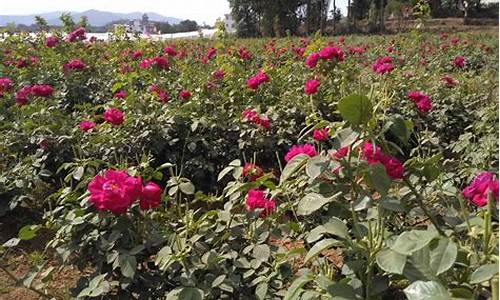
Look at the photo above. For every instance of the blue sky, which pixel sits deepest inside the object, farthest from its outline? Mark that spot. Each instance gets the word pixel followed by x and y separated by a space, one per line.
pixel 200 10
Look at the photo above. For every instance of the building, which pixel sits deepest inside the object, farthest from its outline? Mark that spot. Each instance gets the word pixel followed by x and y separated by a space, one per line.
pixel 229 23
pixel 141 26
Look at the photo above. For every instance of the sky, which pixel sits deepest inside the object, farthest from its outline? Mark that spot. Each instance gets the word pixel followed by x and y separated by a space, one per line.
pixel 199 10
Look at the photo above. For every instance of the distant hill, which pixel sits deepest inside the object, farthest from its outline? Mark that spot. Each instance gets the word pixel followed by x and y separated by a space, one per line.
pixel 95 17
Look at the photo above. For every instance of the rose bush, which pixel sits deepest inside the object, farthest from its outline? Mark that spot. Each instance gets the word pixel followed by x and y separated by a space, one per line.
pixel 293 168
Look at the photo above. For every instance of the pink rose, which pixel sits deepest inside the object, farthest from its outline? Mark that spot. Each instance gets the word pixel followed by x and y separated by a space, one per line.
pixel 42 90
pixel 74 64
pixel 113 116
pixel 86 125
pixel 185 94
pixel 312 60
pixel 477 191
pixel 320 134
pixel 252 171
pixel 295 150
pixel 311 86
pixel 51 41
pixel 422 101
pixel 150 196
pixel 256 199
pixel 114 191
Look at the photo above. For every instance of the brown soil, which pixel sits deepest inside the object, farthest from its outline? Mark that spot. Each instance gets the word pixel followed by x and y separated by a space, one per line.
pixel 19 262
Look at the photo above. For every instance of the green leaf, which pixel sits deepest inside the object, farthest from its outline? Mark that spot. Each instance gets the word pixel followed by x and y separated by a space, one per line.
pixel 261 291
pixel 261 252
pixel 363 202
pixel 392 204
pixel 311 203
pixel 355 109
pixel 402 129
pixel 426 290
pixel 217 281
pixel 190 293
pixel 418 266
pixel 78 173
pixel 316 166
pixel 28 232
pixel 163 258
pixel 295 288
pixel 411 241
pixel 341 291
pixel 336 227
pixel 391 261
pixel 224 172
pixel 293 166
pixel 11 243
pixel 484 273
pixel 443 256
pixel 187 188
pixel 127 264
pixel 378 178
pixel 318 248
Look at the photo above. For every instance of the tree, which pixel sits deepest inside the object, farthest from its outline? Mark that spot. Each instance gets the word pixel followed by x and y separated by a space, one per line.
pixel 67 22
pixel 41 23
pixel 84 22
pixel 245 17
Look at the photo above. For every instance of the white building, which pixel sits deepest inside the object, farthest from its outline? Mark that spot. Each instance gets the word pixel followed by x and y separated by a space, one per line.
pixel 229 23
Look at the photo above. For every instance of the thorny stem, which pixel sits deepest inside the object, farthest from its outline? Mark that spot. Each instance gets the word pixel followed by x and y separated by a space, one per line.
pixel 420 201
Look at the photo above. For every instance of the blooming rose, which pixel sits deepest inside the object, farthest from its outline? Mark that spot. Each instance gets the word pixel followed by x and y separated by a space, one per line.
pixel 422 101
pixel 114 191
pixel 448 81
pixel 113 116
pixel 185 94
pixel 5 85
pixel 311 86
pixel 252 116
pixel 121 94
pixel 244 54
pixel 137 54
pixel 51 41
pixel 74 64
pixel 255 81
pixel 162 95
pixel 320 134
pixel 150 196
pixel 383 65
pixel 312 60
pixel 373 155
pixel 252 171
pixel 159 62
pixel 22 95
pixel 219 74
pixel 341 153
pixel 78 34
pixel 331 52
pixel 86 125
pixel 256 199
pixel 477 191
pixel 170 50
pixel 295 150
pixel 42 90
pixel 459 61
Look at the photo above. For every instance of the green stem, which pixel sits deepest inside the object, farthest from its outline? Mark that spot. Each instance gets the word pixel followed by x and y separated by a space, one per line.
pixel 420 201
pixel 494 288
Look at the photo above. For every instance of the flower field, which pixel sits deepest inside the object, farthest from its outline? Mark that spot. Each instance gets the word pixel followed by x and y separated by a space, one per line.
pixel 357 167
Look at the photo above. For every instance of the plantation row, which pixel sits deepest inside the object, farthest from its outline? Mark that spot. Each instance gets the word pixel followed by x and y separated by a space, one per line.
pixel 321 168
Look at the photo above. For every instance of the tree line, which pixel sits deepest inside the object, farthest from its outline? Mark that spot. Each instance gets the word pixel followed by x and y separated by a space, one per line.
pixel 281 17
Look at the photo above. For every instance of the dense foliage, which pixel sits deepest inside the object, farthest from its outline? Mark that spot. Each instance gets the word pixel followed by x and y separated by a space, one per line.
pixel 321 168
